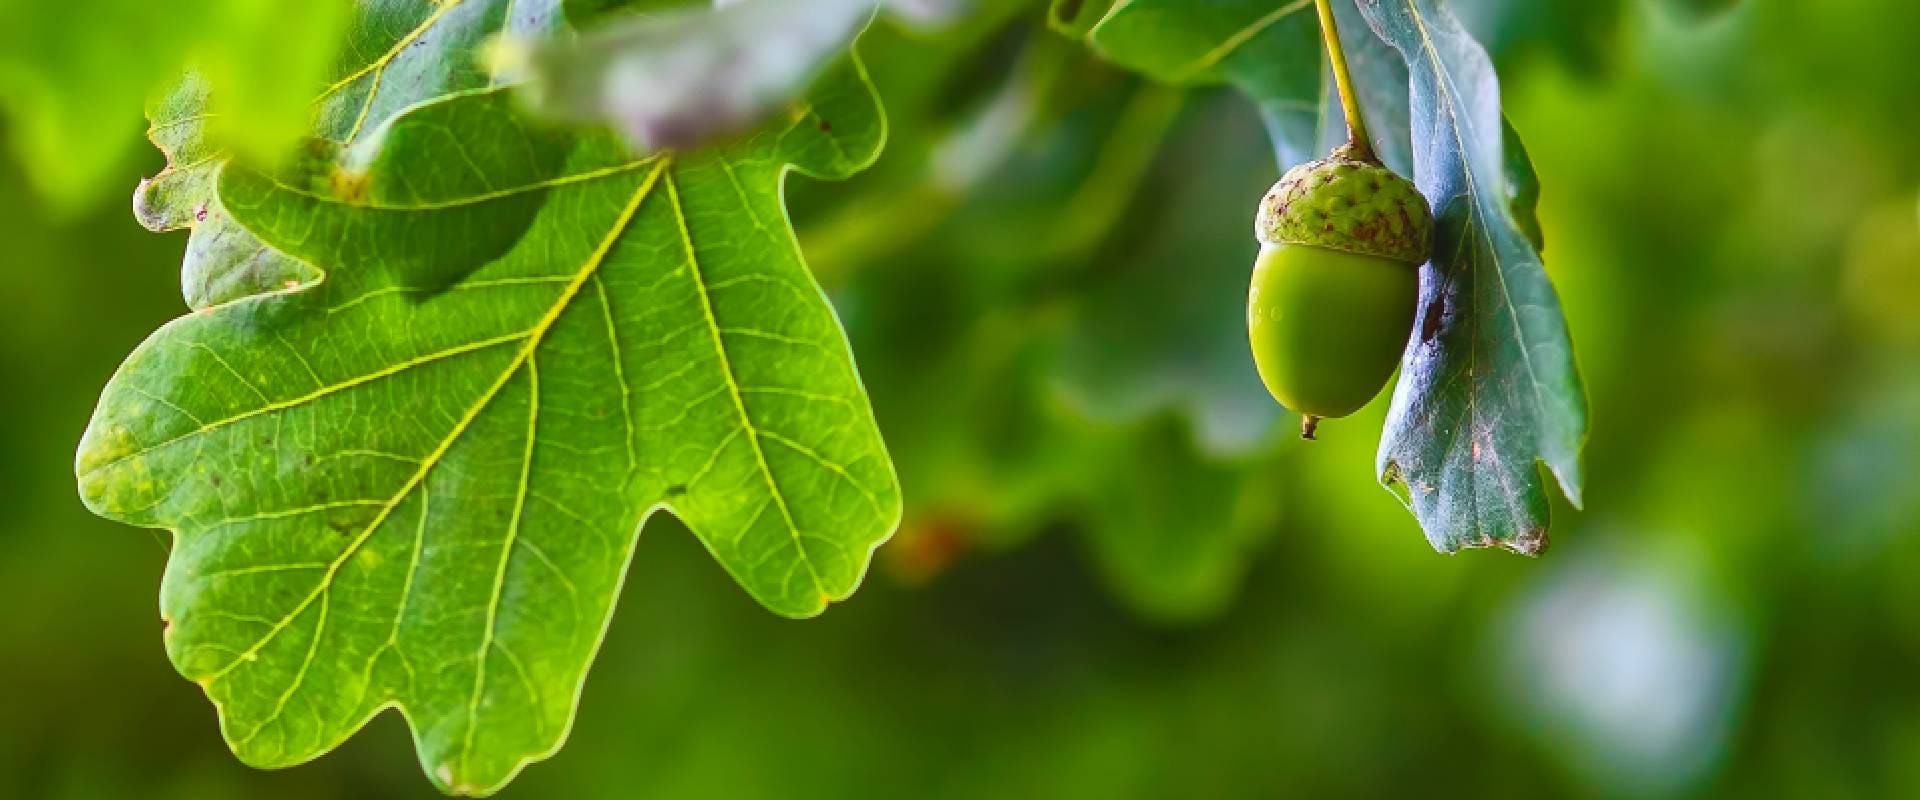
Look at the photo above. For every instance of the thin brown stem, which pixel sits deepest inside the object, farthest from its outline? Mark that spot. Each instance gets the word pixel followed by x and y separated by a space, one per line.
pixel 1360 144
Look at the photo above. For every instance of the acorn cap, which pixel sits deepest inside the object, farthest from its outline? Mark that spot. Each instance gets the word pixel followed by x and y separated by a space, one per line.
pixel 1342 203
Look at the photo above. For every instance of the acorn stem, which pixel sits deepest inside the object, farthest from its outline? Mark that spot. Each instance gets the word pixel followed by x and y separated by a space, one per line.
pixel 1358 141
pixel 1308 424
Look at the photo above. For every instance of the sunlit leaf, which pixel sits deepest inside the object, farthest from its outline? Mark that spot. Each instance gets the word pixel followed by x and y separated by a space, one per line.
pixel 420 486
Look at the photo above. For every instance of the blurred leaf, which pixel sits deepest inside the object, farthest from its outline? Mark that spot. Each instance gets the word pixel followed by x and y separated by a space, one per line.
pixel 1522 186
pixel 1702 9
pixel 1580 34
pixel 400 54
pixel 1172 531
pixel 1488 386
pixel 681 77
pixel 1860 471
pixel 71 78
pixel 1075 17
pixel 989 455
pixel 1159 324
pixel 1272 53
pixel 677 78
pixel 1269 51
pixel 420 487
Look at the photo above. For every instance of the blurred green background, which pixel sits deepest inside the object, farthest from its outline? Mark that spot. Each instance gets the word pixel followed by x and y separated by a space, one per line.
pixel 1119 576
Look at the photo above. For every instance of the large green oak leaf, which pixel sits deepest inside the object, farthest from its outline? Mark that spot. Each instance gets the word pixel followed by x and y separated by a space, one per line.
pixel 1488 387
pixel 419 485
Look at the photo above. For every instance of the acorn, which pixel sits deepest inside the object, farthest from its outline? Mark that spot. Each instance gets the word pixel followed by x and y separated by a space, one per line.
pixel 1336 284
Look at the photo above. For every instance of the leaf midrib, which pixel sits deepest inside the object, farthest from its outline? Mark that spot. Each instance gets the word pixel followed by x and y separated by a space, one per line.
pixel 1478 217
pixel 533 338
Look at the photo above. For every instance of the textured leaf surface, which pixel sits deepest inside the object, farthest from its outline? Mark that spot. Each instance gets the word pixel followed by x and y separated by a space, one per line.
pixel 396 54
pixel 1488 387
pixel 419 486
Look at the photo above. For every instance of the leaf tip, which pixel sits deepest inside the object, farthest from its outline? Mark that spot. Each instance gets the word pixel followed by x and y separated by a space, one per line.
pixel 1569 481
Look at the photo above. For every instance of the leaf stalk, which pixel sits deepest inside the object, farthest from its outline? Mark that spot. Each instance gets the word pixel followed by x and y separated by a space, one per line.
pixel 1359 143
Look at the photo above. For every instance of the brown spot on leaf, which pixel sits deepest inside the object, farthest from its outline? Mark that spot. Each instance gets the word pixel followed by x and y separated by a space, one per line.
pixel 1436 313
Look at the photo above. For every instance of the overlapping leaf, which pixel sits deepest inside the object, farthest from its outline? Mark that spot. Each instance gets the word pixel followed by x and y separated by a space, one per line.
pixel 420 485
pixel 1488 387
pixel 72 77
pixel 396 54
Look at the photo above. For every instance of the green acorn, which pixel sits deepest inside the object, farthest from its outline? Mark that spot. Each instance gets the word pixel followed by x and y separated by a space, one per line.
pixel 1336 284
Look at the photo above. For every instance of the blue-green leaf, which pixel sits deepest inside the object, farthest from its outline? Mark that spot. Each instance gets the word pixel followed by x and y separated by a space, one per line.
pixel 1488 388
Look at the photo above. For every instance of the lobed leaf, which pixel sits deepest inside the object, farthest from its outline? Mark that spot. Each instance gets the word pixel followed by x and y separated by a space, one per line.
pixel 420 486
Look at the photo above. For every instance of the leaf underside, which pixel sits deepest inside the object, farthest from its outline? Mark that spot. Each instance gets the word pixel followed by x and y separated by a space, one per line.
pixel 1488 387
pixel 412 473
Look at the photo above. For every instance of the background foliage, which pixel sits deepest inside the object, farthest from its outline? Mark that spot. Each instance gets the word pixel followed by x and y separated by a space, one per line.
pixel 1117 580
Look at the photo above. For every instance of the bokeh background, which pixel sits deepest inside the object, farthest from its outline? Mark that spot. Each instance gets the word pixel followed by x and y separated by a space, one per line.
pixel 1119 575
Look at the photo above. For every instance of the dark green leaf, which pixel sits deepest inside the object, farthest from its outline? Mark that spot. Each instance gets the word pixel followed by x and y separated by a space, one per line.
pixel 1488 388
